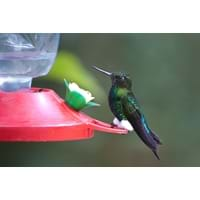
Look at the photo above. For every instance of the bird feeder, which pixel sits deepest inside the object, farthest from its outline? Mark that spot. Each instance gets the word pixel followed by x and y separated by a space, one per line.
pixel 37 114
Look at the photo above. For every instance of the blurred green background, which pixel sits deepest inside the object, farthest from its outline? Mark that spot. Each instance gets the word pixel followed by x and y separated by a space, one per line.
pixel 165 71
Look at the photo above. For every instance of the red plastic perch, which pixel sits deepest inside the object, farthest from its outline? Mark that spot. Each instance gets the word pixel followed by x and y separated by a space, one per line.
pixel 41 115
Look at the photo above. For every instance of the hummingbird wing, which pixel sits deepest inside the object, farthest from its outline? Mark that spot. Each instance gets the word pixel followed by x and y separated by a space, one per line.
pixel 132 112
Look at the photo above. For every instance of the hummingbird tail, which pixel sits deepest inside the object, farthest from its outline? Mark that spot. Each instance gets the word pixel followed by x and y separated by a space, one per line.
pixel 156 138
pixel 156 154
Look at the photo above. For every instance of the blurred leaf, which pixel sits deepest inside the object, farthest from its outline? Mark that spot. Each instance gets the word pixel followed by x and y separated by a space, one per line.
pixel 68 66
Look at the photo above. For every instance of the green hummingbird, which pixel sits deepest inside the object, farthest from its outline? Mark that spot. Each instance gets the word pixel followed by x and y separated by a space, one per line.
pixel 126 109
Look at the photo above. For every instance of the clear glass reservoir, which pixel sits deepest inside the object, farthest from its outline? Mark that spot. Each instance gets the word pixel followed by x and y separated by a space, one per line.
pixel 25 56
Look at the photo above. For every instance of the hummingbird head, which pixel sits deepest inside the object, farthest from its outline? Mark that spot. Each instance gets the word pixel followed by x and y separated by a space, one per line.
pixel 119 79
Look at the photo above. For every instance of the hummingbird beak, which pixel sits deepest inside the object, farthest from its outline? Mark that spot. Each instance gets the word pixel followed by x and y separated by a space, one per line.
pixel 103 71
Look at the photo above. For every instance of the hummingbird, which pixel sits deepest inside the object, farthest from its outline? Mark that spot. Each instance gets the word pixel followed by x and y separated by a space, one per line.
pixel 127 111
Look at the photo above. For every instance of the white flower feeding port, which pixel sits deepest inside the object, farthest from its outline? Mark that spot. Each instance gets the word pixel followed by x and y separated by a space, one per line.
pixel 37 114
pixel 78 98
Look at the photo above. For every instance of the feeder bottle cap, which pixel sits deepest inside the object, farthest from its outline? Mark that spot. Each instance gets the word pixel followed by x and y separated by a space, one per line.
pixel 42 116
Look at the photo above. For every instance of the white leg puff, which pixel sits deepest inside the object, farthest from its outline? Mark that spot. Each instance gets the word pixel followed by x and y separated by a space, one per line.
pixel 123 124
pixel 116 121
pixel 126 124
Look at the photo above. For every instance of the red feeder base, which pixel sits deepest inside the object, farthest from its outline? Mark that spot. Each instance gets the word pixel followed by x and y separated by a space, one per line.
pixel 41 115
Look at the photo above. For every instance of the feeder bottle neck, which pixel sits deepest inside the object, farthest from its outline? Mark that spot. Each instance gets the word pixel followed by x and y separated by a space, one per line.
pixel 9 84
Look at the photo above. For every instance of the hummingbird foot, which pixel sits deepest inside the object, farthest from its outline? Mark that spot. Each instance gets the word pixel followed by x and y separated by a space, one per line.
pixel 113 125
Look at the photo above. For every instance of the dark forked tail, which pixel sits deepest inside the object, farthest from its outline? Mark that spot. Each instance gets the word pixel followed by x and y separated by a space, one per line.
pixel 158 141
pixel 150 140
pixel 156 154
pixel 156 138
pixel 145 134
pixel 139 123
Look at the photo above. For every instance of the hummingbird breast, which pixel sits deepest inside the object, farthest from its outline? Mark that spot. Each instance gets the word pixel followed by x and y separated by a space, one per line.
pixel 115 103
